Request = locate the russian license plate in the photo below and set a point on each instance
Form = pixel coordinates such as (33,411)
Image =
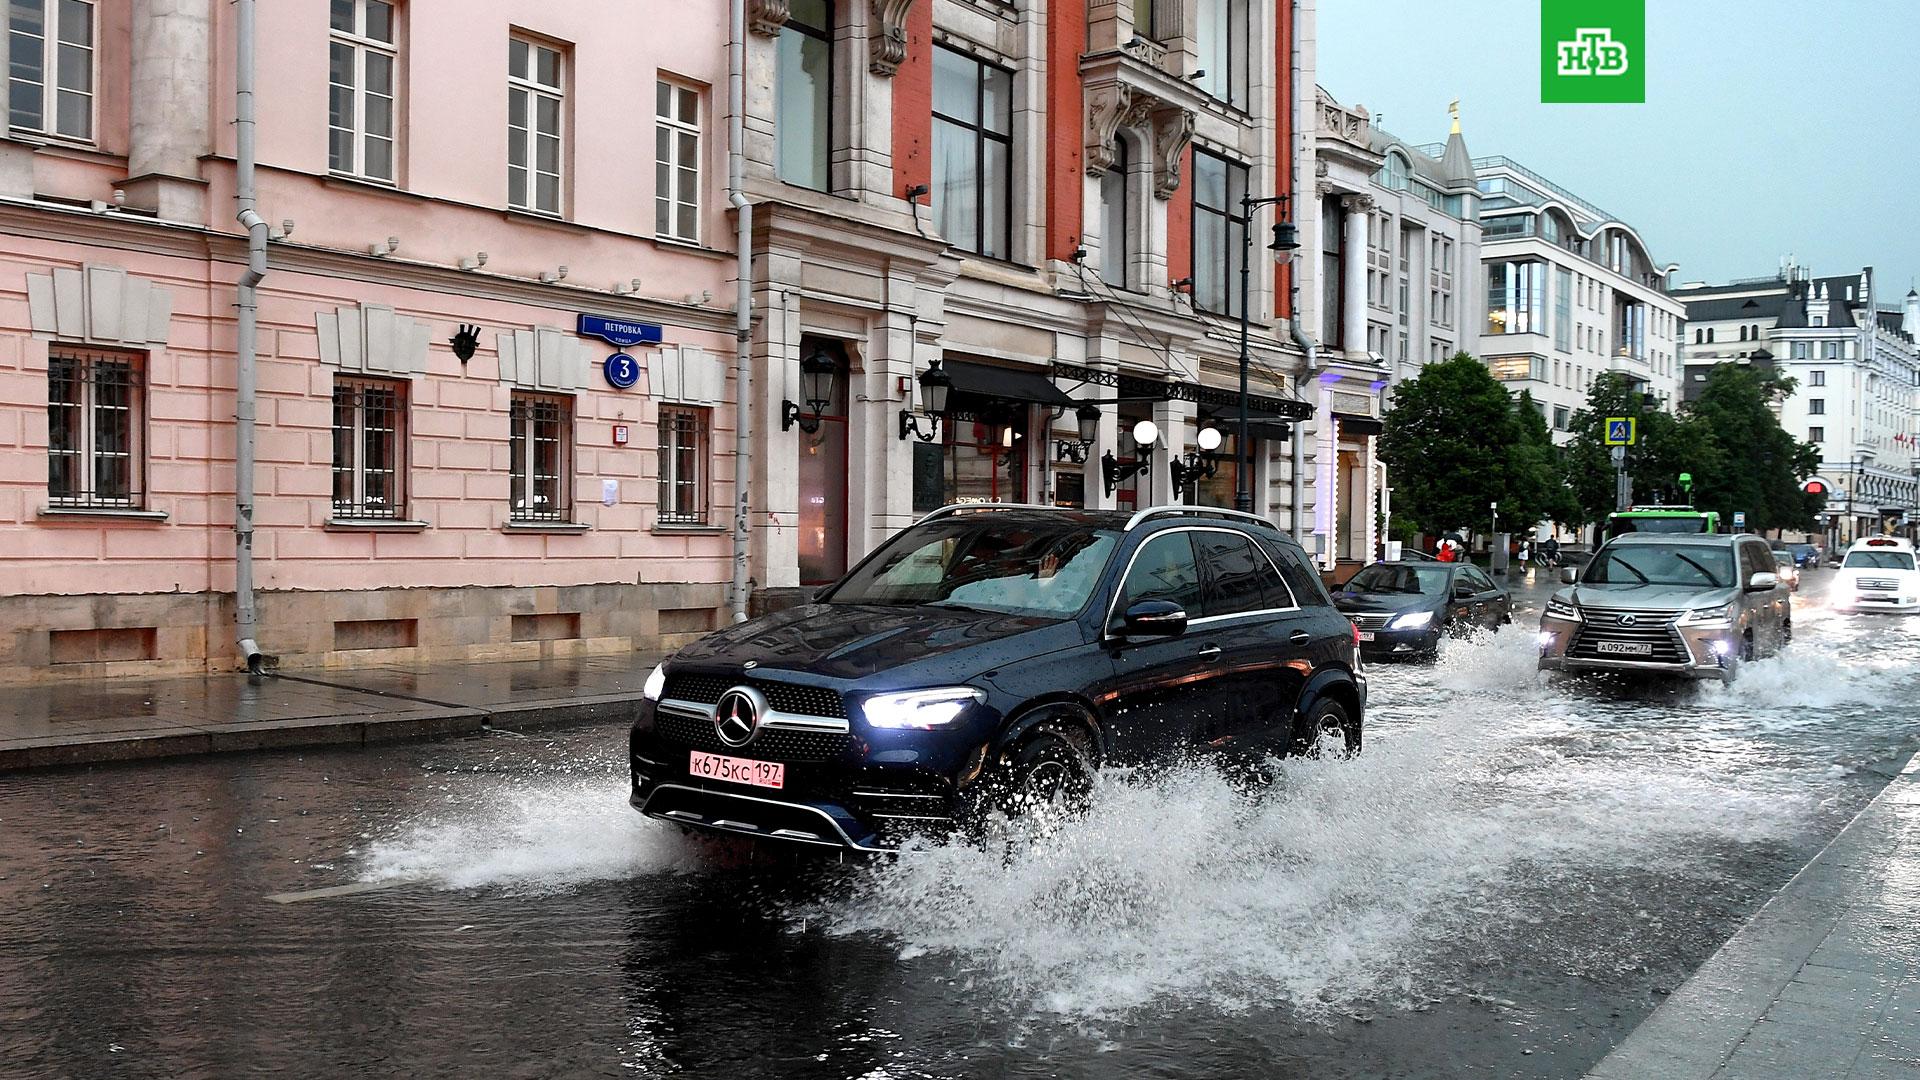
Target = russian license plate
(1628,648)
(733,770)
(1366,635)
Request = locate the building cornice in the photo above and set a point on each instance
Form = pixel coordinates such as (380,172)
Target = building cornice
(127,232)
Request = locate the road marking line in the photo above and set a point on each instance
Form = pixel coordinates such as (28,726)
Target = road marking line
(341,890)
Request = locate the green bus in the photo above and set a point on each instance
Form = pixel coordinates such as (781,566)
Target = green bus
(1662,519)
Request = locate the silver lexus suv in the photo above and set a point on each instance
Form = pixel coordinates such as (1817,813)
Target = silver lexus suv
(1694,606)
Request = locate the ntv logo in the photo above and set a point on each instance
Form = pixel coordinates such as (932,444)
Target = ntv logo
(1593,52)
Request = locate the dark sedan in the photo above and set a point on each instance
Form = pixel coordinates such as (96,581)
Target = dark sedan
(1403,609)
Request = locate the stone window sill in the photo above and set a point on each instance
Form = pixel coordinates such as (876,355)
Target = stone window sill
(102,512)
(543,527)
(375,525)
(692,246)
(670,528)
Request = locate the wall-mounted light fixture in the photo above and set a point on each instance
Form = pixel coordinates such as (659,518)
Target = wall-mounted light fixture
(1145,434)
(1194,466)
(465,342)
(1076,450)
(935,385)
(817,369)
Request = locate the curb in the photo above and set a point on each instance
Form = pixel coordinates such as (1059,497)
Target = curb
(1696,1032)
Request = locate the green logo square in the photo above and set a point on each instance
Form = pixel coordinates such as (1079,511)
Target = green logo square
(1593,51)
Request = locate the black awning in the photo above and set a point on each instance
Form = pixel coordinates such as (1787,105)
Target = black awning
(979,381)
(1351,424)
(1260,423)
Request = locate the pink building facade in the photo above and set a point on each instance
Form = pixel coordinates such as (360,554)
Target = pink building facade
(446,466)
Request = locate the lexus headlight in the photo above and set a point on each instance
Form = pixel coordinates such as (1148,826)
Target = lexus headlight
(1709,614)
(656,682)
(1412,620)
(1560,609)
(920,710)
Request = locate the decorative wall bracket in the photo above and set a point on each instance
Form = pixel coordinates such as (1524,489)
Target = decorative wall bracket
(887,48)
(1172,132)
(766,17)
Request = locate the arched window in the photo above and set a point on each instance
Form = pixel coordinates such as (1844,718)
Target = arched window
(1395,173)
(1115,203)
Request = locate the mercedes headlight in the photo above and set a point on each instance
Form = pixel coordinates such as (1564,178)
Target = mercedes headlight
(656,682)
(1412,620)
(1561,609)
(1719,613)
(920,710)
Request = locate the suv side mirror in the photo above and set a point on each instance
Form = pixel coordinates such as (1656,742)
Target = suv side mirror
(820,593)
(1568,575)
(1463,591)
(1154,618)
(1762,581)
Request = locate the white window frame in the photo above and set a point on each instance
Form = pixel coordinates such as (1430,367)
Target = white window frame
(50,67)
(675,194)
(672,482)
(88,450)
(521,443)
(356,506)
(363,48)
(529,88)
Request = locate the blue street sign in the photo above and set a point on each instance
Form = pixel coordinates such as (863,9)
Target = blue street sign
(1621,430)
(621,370)
(1739,519)
(617,332)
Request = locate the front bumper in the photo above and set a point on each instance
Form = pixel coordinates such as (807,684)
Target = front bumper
(1399,644)
(844,790)
(1866,601)
(1699,651)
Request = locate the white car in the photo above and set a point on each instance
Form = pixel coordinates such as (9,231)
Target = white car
(1878,574)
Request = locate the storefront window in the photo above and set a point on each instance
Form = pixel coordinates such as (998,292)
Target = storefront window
(1220,488)
(823,482)
(976,460)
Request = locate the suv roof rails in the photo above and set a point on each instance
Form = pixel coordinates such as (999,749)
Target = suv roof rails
(955,508)
(1198,511)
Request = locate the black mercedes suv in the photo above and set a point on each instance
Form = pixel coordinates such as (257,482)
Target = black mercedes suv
(990,657)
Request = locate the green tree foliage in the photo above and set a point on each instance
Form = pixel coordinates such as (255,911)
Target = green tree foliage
(1455,443)
(1537,493)
(1729,441)
(1761,469)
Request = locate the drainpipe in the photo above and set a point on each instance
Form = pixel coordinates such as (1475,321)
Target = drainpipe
(1300,439)
(743,303)
(1293,322)
(247,300)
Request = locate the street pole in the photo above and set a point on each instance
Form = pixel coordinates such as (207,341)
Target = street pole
(1242,483)
(1622,493)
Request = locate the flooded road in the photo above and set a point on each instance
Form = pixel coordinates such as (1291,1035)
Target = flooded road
(1503,885)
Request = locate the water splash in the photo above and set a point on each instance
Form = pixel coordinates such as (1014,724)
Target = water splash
(541,833)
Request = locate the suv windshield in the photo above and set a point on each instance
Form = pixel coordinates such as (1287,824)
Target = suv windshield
(980,563)
(1651,564)
(1690,524)
(1402,579)
(1880,560)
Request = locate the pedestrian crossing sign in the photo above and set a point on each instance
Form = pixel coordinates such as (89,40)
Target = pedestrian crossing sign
(1622,430)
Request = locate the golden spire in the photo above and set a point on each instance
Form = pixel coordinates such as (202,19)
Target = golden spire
(1453,109)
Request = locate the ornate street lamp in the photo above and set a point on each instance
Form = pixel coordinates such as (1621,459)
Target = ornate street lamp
(1194,466)
(1088,417)
(935,385)
(817,370)
(1286,241)
(1145,434)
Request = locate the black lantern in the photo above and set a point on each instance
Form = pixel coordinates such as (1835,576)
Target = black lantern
(1088,417)
(1145,434)
(935,385)
(817,370)
(1191,466)
(1286,238)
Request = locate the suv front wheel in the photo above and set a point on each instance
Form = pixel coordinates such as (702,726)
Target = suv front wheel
(1047,774)
(1326,731)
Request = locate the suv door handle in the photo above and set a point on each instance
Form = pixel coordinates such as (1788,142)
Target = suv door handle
(1299,637)
(1210,653)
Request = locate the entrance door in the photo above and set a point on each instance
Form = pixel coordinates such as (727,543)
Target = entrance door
(823,484)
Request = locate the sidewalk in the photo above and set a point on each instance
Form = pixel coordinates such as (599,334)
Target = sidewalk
(125,719)
(1823,983)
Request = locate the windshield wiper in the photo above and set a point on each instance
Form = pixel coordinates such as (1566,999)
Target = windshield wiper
(1704,572)
(1629,568)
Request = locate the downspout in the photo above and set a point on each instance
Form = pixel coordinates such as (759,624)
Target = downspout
(1293,309)
(743,302)
(247,300)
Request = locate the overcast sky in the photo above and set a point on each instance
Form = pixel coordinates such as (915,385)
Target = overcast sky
(1771,126)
